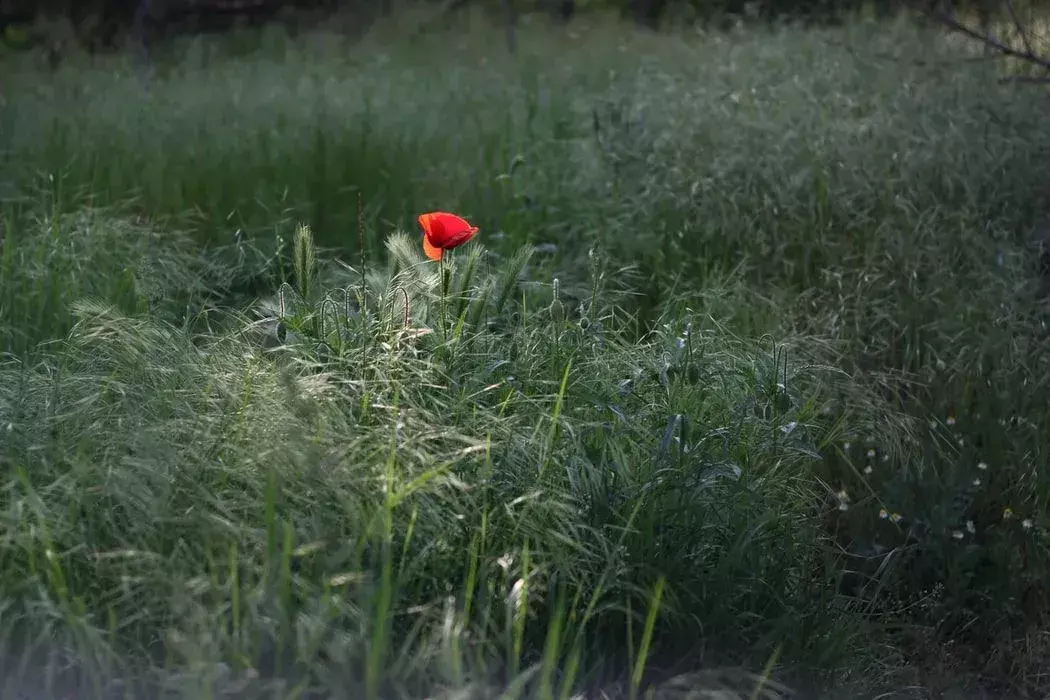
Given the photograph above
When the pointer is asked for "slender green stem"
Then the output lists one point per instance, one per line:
(444, 290)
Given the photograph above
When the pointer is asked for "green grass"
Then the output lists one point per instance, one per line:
(619, 461)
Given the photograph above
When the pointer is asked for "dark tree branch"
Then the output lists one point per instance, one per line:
(1019, 27)
(949, 21)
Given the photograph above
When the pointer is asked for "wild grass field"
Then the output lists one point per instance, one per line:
(746, 369)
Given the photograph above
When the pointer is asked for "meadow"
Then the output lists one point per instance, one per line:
(746, 369)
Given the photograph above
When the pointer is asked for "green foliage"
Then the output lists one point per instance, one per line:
(50, 258)
(582, 450)
(262, 508)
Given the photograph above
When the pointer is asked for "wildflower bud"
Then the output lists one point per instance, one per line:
(693, 374)
(557, 311)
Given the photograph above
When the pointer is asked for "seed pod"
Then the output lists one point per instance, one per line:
(557, 309)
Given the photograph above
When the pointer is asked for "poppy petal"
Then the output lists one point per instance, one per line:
(442, 231)
(431, 250)
(445, 227)
(432, 226)
(460, 237)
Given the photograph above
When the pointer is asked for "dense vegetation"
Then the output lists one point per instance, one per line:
(106, 23)
(747, 366)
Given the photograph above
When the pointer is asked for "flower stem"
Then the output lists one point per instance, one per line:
(444, 290)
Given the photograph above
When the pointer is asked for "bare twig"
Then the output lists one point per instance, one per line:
(955, 25)
(1019, 27)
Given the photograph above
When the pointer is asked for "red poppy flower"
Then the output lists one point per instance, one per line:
(442, 231)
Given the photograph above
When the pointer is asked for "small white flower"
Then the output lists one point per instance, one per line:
(786, 429)
(883, 513)
(1026, 523)
(871, 453)
(970, 527)
(983, 466)
(950, 420)
(1008, 513)
(896, 518)
(977, 482)
(868, 469)
(957, 534)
